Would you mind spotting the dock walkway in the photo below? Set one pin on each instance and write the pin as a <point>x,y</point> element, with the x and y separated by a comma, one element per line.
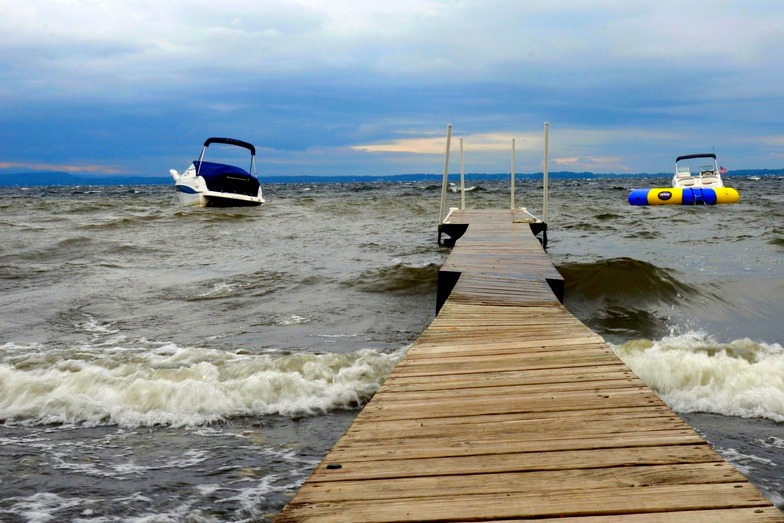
<point>509,408</point>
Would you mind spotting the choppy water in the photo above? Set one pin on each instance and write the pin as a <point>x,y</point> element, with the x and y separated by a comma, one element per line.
<point>168,364</point>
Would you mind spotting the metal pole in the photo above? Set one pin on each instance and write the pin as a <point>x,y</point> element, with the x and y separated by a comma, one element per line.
<point>446,174</point>
<point>462,177</point>
<point>546,169</point>
<point>513,174</point>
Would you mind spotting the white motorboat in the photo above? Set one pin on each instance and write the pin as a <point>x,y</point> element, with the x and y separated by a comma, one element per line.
<point>699,186</point>
<point>212,184</point>
<point>704,175</point>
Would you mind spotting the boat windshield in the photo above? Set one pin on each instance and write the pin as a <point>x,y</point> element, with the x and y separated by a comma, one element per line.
<point>706,169</point>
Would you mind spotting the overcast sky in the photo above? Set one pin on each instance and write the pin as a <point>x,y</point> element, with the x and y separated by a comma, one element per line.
<point>368,87</point>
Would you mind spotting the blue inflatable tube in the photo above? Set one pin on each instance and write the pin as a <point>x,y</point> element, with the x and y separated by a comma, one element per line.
<point>684,196</point>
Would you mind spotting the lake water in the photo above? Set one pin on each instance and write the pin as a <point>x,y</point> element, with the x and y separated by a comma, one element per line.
<point>160,363</point>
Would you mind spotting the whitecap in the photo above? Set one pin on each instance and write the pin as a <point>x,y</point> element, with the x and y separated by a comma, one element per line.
<point>294,319</point>
<point>693,373</point>
<point>183,386</point>
<point>41,507</point>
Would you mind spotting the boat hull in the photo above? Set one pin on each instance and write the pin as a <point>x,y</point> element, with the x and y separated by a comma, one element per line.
<point>192,198</point>
<point>684,196</point>
<point>223,187</point>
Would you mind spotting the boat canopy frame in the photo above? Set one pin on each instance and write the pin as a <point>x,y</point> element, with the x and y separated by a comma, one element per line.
<point>230,141</point>
<point>691,156</point>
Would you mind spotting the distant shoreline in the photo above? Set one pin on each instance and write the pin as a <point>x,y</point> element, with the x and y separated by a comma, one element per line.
<point>37,179</point>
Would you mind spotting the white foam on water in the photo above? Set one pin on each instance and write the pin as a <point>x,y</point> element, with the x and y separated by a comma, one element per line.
<point>771,442</point>
<point>220,290</point>
<point>233,489</point>
<point>42,507</point>
<point>294,319</point>
<point>693,373</point>
<point>179,386</point>
<point>763,471</point>
<point>737,457</point>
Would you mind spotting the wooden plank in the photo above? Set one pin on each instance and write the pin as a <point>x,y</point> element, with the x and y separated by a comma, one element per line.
<point>514,462</point>
<point>631,414</point>
<point>755,515</point>
<point>398,449</point>
<point>539,503</point>
<point>470,429</point>
<point>519,482</point>
<point>607,374</point>
<point>499,391</point>
<point>508,408</point>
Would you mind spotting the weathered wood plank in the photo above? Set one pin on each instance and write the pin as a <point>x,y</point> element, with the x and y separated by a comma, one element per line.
<point>608,374</point>
<point>515,462</point>
<point>536,503</point>
<point>519,482</point>
<point>438,448</point>
<point>365,424</point>
<point>470,429</point>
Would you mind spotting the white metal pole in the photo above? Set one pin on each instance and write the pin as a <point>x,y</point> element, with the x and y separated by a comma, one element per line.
<point>513,174</point>
<point>446,174</point>
<point>462,177</point>
<point>546,169</point>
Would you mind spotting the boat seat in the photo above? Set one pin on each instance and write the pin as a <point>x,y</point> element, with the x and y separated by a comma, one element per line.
<point>710,180</point>
<point>686,181</point>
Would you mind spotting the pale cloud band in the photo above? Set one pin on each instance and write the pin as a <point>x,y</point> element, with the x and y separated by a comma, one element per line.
<point>479,142</point>
<point>61,167</point>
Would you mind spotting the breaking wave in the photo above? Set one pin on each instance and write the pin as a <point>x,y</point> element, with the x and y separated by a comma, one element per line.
<point>176,386</point>
<point>693,373</point>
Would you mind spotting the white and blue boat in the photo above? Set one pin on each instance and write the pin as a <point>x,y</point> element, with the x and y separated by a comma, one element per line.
<point>212,184</point>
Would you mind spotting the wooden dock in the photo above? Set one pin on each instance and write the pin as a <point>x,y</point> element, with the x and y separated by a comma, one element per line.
<point>508,408</point>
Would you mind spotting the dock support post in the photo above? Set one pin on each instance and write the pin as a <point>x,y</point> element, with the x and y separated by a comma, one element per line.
<point>444,182</point>
<point>446,175</point>
<point>546,168</point>
<point>513,175</point>
<point>462,177</point>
